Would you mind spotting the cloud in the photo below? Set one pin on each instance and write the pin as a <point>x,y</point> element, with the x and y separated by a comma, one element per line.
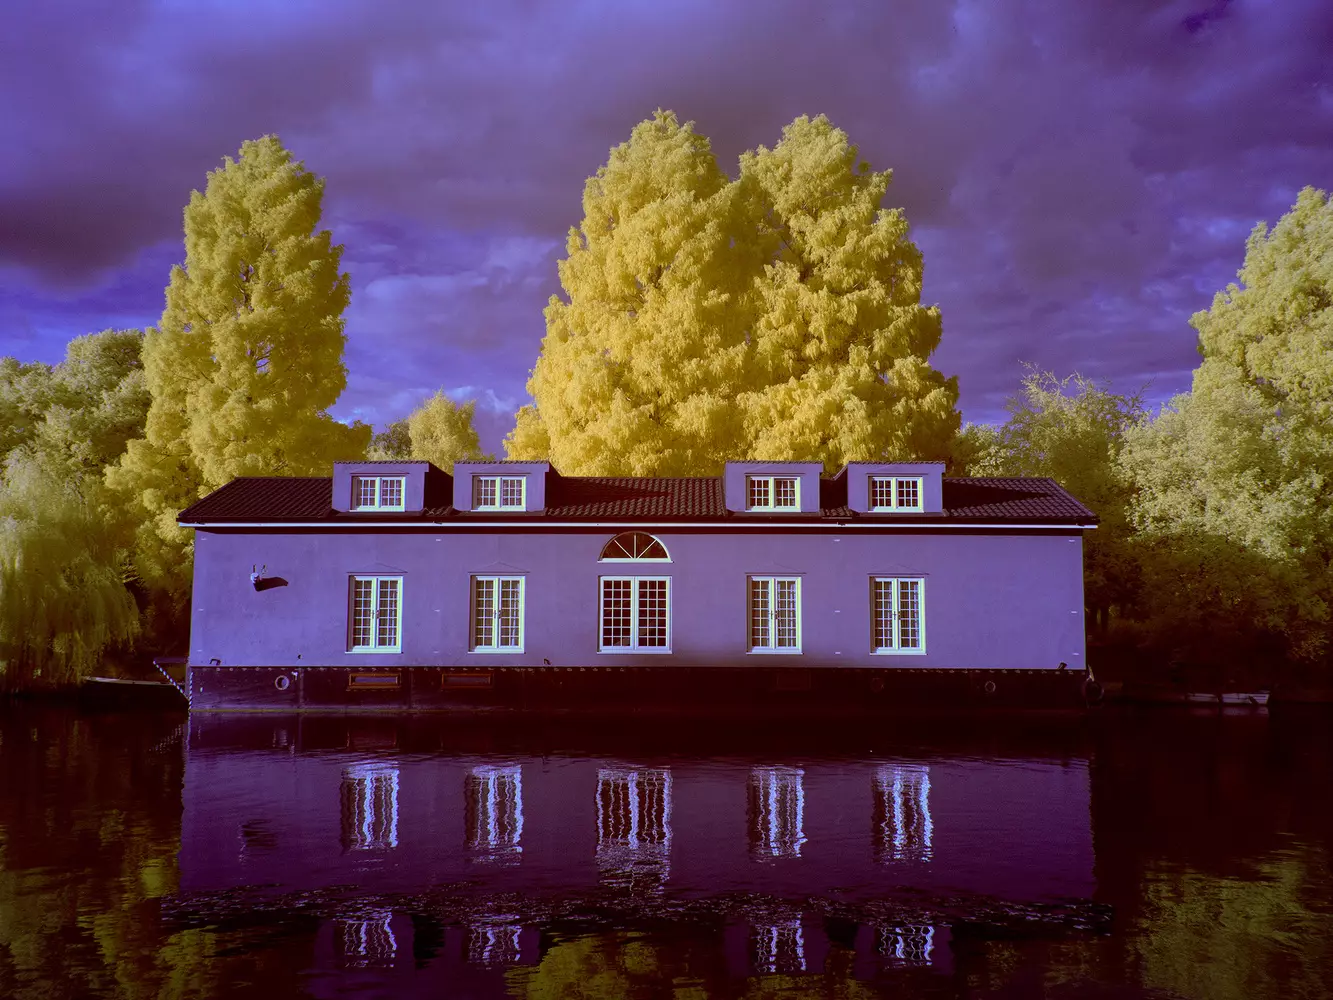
<point>1081,177</point>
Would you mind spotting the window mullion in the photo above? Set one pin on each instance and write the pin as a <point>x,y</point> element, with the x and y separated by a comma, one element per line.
<point>634,614</point>
<point>897,611</point>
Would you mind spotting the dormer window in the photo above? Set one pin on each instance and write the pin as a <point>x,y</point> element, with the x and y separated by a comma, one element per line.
<point>498,492</point>
<point>772,493</point>
<point>895,493</point>
<point>377,493</point>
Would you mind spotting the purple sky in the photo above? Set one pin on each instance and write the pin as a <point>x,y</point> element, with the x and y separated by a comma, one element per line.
<point>1080,176</point>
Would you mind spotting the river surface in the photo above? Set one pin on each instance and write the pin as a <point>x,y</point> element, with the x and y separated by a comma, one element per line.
<point>1155,853</point>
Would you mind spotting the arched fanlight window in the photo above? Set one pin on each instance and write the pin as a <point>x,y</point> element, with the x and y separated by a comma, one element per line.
<point>634,545</point>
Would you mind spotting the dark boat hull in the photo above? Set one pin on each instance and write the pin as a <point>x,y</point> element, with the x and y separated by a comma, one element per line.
<point>424,689</point>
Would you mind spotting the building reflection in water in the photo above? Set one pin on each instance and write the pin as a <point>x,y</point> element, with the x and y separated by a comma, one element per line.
<point>634,824</point>
<point>365,942</point>
<point>493,942</point>
<point>779,947</point>
<point>903,829</point>
<point>369,806</point>
<point>905,944</point>
<point>776,808</point>
<point>493,812</point>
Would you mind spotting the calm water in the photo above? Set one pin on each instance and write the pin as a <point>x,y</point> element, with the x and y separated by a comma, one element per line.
<point>1156,853</point>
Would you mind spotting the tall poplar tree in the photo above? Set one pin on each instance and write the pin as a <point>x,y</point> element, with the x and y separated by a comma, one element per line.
<point>247,358</point>
<point>775,316</point>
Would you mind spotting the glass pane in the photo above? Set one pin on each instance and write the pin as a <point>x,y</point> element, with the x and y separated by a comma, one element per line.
<point>511,612</point>
<point>363,491</point>
<point>387,614</point>
<point>653,613</point>
<point>882,613</point>
<point>483,620</point>
<point>511,492</point>
<point>391,492</point>
<point>881,492</point>
<point>759,610</point>
<point>784,493</point>
<point>616,548</point>
<point>909,614</point>
<point>758,491</point>
<point>785,617</point>
<point>483,491</point>
<point>617,611</point>
<point>363,612</point>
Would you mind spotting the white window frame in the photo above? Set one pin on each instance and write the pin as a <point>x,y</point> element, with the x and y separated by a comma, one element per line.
<point>634,646</point>
<point>499,483</point>
<point>498,583</point>
<point>893,481</point>
<point>896,648</point>
<point>634,559</point>
<point>772,649</point>
<point>377,581</point>
<point>379,482</point>
<point>771,485</point>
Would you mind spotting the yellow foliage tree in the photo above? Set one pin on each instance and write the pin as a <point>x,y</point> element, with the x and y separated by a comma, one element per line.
<point>1234,480</point>
<point>248,356</point>
<point>640,366</point>
<point>775,316</point>
<point>441,432</point>
<point>840,368</point>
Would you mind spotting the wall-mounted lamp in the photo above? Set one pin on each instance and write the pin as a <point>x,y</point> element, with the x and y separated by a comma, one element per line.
<point>256,575</point>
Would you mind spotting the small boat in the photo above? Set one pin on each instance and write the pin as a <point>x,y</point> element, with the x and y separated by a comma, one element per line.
<point>129,691</point>
<point>1255,698</point>
<point>1174,695</point>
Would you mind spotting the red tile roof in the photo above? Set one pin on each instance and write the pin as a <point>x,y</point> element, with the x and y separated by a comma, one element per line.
<point>281,499</point>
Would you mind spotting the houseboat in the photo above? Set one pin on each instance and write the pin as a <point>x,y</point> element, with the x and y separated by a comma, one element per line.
<point>398,586</point>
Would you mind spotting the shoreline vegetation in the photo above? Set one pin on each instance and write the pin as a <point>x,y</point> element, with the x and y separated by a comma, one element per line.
<point>784,306</point>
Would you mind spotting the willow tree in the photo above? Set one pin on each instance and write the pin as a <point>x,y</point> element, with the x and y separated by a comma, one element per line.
<point>247,358</point>
<point>775,316</point>
<point>841,342</point>
<point>441,432</point>
<point>63,545</point>
<point>63,574</point>
<point>1234,479</point>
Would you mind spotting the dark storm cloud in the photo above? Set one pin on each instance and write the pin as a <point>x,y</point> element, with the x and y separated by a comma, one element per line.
<point>1081,177</point>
